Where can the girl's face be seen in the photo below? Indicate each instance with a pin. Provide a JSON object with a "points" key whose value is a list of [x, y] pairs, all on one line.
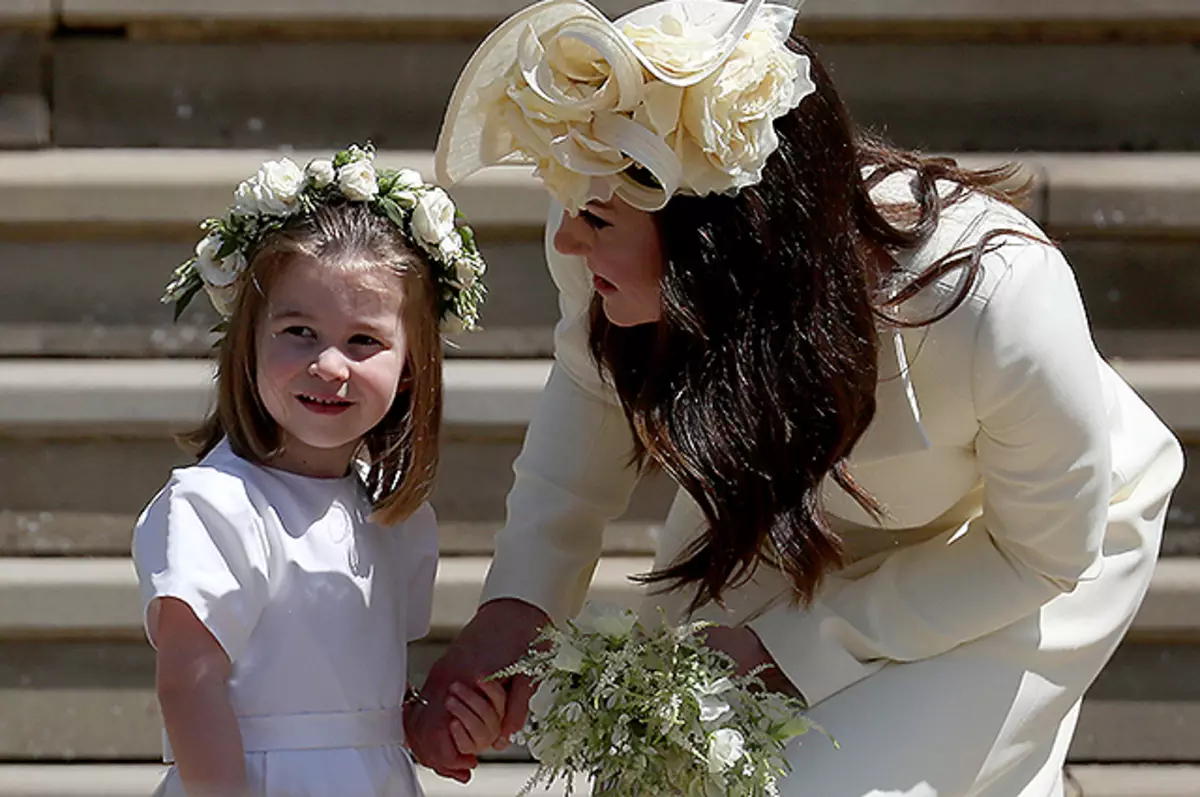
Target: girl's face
{"points": [[331, 352], [622, 248]]}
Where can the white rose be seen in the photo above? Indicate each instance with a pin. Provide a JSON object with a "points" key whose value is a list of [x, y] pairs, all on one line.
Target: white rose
{"points": [[433, 217], [283, 179], [214, 272], [606, 619], [272, 191], [409, 178], [321, 172], [569, 658], [725, 747], [357, 180]]}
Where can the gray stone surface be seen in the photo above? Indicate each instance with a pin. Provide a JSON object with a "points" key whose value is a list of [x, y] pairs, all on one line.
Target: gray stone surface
{"points": [[1139, 295], [870, 10], [118, 283], [34, 14], [939, 96], [63, 701], [119, 476], [24, 111], [1119, 195]]}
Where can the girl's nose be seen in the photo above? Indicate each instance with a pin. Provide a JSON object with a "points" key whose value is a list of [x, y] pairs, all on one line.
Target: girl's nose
{"points": [[573, 236], [331, 365]]}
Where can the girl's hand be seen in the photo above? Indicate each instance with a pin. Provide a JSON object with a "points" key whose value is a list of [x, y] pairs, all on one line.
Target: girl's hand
{"points": [[477, 715]]}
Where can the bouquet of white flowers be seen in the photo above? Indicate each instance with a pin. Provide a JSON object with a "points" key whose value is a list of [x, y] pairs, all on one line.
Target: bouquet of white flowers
{"points": [[651, 711]]}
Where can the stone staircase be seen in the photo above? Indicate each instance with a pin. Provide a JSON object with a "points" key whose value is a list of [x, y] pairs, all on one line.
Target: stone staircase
{"points": [[126, 121]]}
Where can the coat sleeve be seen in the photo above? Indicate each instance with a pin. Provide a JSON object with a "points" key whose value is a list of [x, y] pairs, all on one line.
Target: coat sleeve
{"points": [[574, 473], [1043, 452]]}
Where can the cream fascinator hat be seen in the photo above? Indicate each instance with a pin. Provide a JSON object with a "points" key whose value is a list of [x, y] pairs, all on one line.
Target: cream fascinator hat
{"points": [[674, 97]]}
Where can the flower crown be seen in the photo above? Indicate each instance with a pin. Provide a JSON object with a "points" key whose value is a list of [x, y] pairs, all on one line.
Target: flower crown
{"points": [[280, 190], [675, 97]]}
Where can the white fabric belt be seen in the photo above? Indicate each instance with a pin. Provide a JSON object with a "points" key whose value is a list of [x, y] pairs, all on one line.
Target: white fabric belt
{"points": [[316, 731]]}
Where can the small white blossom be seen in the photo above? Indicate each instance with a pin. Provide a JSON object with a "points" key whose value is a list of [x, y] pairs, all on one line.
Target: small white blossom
{"points": [[409, 178], [725, 747], [569, 659]]}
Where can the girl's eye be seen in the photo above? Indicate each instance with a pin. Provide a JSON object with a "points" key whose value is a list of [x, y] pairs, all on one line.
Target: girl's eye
{"points": [[593, 221], [300, 332], [364, 340]]}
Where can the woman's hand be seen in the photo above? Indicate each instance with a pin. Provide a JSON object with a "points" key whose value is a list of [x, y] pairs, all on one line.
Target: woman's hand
{"points": [[748, 653], [478, 713], [498, 635]]}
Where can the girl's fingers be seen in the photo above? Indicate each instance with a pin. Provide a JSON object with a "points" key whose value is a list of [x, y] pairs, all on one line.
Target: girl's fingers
{"points": [[483, 706], [462, 739], [497, 694], [477, 731]]}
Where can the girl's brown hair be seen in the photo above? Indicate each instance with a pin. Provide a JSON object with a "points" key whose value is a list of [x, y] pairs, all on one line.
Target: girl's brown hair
{"points": [[760, 377], [402, 450]]}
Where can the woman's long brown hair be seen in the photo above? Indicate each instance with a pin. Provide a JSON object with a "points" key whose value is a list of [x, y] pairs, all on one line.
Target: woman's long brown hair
{"points": [[760, 377]]}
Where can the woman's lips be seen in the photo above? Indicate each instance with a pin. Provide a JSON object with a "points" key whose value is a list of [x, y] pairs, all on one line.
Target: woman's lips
{"points": [[324, 406], [602, 285]]}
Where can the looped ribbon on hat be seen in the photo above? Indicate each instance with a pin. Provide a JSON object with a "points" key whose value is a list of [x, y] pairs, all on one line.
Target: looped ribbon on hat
{"points": [[615, 142]]}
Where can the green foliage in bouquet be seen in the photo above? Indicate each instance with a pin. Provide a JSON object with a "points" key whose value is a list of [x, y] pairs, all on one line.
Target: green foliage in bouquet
{"points": [[651, 711]]}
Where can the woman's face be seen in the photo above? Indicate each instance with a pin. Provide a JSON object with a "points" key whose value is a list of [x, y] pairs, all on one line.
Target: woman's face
{"points": [[622, 248]]}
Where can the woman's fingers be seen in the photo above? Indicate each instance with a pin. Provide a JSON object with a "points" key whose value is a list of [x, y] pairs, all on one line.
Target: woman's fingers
{"points": [[478, 716]]}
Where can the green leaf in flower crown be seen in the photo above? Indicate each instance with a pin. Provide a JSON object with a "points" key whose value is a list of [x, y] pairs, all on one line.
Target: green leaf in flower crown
{"points": [[393, 211], [228, 247], [186, 297], [468, 239], [386, 178]]}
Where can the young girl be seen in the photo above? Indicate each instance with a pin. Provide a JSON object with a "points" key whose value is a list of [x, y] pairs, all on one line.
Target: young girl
{"points": [[284, 574]]}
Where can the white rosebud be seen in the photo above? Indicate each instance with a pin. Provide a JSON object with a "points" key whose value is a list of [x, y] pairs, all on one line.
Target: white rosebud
{"points": [[573, 711], [214, 272], [321, 172], [606, 619], [405, 199], [433, 217], [409, 178], [725, 747], [569, 658], [357, 180]]}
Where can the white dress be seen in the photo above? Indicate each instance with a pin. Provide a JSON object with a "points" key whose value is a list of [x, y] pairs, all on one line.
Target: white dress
{"points": [[1025, 488], [315, 606]]}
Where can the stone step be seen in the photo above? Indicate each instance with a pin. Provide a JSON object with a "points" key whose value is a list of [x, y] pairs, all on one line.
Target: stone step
{"points": [[1059, 19], [79, 599], [102, 427], [181, 84], [28, 14], [504, 780], [1129, 224], [76, 678], [59, 398]]}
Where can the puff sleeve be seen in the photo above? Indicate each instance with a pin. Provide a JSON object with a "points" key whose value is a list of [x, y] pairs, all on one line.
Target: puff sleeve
{"points": [[573, 474], [198, 543], [1043, 452], [418, 546]]}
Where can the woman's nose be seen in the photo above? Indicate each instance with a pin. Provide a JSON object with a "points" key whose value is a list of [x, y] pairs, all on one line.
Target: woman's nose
{"points": [[572, 237], [331, 365]]}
